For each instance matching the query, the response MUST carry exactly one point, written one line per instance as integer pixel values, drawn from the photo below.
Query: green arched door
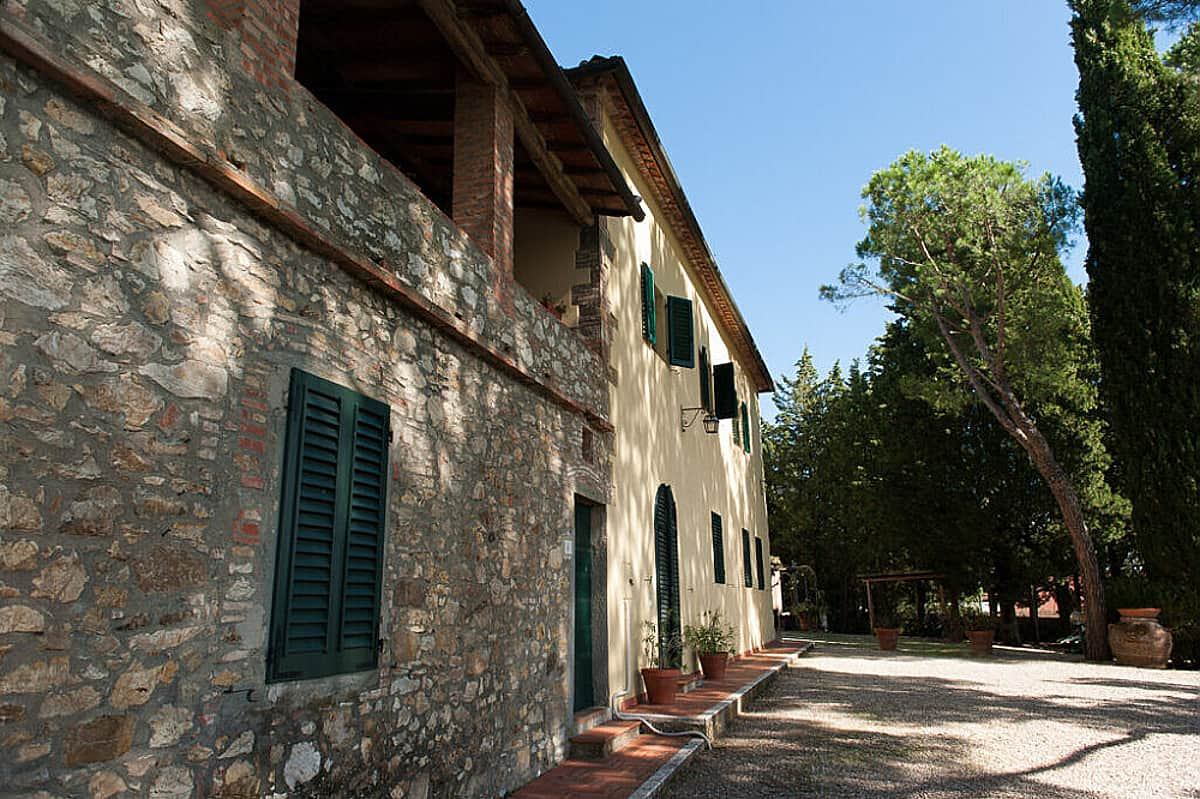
(666, 575)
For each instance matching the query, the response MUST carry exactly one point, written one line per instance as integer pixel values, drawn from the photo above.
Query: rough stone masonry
(148, 323)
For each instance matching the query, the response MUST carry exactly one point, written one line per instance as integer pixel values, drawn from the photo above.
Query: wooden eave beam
(467, 46)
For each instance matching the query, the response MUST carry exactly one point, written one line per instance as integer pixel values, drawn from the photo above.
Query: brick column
(269, 29)
(483, 170)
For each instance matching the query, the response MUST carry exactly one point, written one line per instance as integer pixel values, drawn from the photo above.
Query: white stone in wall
(303, 764)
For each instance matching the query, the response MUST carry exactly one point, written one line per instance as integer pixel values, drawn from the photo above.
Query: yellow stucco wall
(707, 473)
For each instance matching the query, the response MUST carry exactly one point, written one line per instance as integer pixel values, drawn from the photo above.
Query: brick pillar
(269, 29)
(483, 170)
(593, 260)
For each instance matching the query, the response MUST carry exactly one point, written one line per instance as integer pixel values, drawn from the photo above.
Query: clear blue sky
(776, 114)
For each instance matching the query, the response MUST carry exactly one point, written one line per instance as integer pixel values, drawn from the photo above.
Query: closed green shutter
(737, 433)
(745, 428)
(724, 391)
(681, 344)
(718, 542)
(325, 616)
(758, 561)
(649, 318)
(747, 575)
(705, 381)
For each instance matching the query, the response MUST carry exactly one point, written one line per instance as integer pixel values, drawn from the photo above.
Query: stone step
(590, 717)
(601, 741)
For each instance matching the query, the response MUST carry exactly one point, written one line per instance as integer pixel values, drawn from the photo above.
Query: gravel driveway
(928, 721)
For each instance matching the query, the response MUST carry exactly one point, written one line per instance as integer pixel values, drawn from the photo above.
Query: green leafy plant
(710, 636)
(975, 620)
(658, 651)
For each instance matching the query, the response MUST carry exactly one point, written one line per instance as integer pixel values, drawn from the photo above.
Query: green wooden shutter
(681, 344)
(705, 381)
(364, 536)
(649, 318)
(758, 561)
(666, 575)
(747, 575)
(745, 428)
(718, 542)
(725, 391)
(325, 615)
(737, 433)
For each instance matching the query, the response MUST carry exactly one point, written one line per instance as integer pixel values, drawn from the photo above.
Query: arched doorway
(666, 575)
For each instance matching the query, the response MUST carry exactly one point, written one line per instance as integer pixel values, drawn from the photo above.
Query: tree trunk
(1094, 613)
(1012, 417)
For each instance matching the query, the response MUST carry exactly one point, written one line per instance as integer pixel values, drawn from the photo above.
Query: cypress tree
(1139, 142)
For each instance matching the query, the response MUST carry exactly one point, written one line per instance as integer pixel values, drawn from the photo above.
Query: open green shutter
(705, 381)
(745, 428)
(747, 575)
(724, 391)
(364, 538)
(681, 344)
(325, 615)
(758, 561)
(718, 542)
(649, 320)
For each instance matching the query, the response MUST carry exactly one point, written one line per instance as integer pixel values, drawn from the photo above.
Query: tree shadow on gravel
(778, 750)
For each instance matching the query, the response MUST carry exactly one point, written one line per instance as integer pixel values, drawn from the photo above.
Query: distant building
(335, 337)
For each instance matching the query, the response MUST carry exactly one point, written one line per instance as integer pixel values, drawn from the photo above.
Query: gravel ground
(927, 721)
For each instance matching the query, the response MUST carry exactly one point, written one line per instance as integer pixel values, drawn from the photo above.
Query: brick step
(690, 683)
(604, 739)
(590, 717)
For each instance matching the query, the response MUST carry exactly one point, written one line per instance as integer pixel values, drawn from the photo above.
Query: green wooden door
(584, 694)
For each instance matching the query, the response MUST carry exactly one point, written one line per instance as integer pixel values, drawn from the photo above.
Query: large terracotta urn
(1139, 640)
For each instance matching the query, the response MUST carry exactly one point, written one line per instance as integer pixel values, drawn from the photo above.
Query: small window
(747, 574)
(758, 561)
(705, 381)
(718, 541)
(649, 317)
(328, 573)
(681, 345)
(745, 428)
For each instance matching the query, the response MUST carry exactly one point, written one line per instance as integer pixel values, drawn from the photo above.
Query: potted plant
(661, 676)
(980, 629)
(886, 631)
(712, 642)
(805, 612)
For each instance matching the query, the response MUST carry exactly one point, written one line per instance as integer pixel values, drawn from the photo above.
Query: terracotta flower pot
(981, 641)
(660, 685)
(887, 636)
(1139, 613)
(714, 665)
(1139, 640)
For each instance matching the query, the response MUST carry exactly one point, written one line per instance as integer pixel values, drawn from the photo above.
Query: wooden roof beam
(471, 50)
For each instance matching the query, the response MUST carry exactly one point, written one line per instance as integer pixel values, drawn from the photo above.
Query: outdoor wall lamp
(711, 422)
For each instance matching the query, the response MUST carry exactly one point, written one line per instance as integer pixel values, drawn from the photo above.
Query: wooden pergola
(898, 577)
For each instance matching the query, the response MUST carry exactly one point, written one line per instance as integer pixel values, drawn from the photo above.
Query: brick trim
(166, 138)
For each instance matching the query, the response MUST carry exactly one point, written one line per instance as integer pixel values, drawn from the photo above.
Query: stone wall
(148, 325)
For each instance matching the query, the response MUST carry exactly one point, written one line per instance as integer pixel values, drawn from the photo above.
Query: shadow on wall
(152, 324)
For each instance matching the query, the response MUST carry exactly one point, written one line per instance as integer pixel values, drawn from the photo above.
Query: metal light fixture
(710, 421)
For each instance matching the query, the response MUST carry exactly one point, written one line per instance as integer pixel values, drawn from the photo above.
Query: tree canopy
(967, 251)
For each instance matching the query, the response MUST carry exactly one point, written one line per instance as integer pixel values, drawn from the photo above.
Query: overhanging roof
(388, 68)
(636, 129)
